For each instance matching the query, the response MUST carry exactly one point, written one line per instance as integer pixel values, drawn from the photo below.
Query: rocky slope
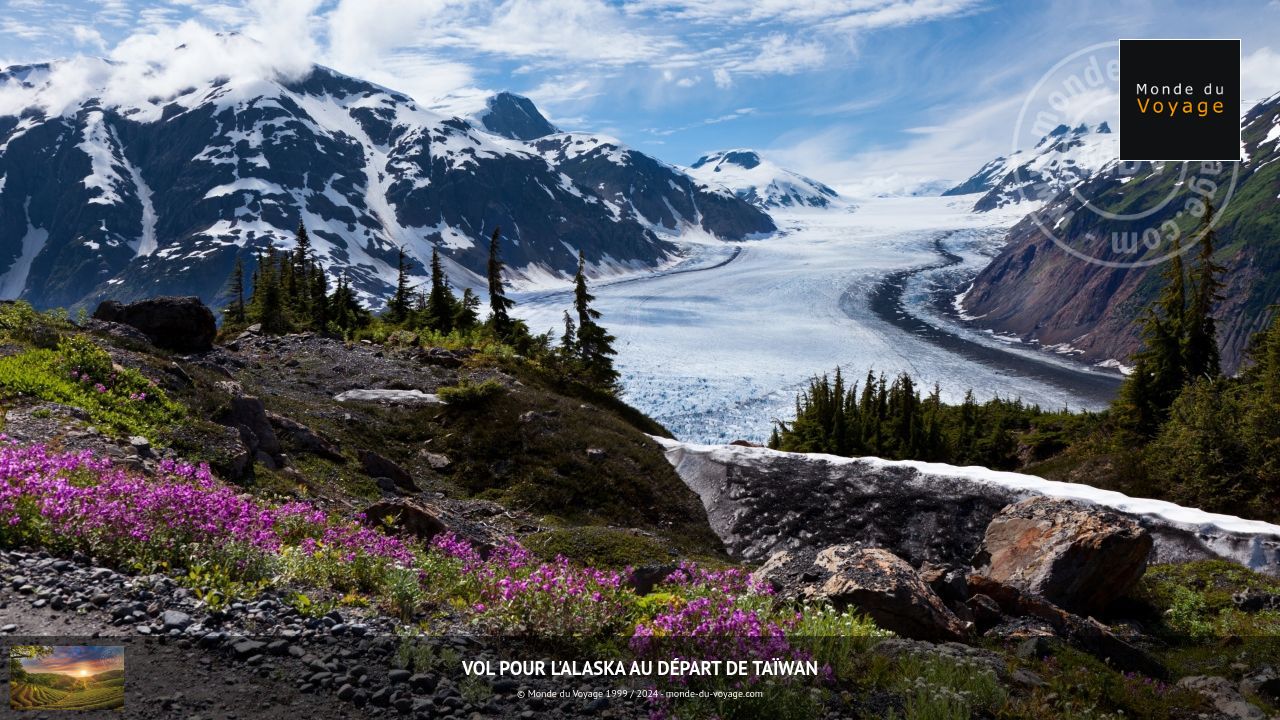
(1035, 290)
(168, 191)
(925, 512)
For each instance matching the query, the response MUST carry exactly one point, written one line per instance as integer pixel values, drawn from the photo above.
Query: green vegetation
(467, 394)
(79, 373)
(599, 546)
(893, 420)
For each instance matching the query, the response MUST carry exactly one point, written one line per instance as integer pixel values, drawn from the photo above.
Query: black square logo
(1180, 100)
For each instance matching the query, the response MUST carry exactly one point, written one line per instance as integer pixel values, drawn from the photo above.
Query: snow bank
(744, 485)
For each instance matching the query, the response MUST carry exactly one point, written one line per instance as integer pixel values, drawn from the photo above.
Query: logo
(1180, 100)
(1105, 210)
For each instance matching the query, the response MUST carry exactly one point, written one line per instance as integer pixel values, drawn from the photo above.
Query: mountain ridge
(111, 196)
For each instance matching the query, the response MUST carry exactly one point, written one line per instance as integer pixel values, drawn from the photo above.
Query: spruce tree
(441, 305)
(569, 340)
(499, 304)
(1201, 355)
(1149, 393)
(467, 316)
(595, 344)
(236, 313)
(271, 306)
(399, 305)
(319, 300)
(299, 273)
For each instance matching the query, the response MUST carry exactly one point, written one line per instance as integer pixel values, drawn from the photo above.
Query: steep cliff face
(761, 501)
(1038, 291)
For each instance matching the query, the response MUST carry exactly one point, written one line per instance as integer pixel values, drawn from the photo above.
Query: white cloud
(782, 55)
(89, 37)
(1259, 76)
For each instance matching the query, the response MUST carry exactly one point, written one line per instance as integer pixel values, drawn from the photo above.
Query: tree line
(289, 292)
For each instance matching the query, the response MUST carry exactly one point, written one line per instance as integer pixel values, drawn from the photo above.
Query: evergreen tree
(441, 305)
(569, 340)
(345, 310)
(1201, 355)
(399, 305)
(236, 313)
(1149, 394)
(595, 344)
(467, 315)
(319, 300)
(270, 309)
(499, 304)
(299, 273)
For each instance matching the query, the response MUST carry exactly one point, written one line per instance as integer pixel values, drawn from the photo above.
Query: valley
(751, 322)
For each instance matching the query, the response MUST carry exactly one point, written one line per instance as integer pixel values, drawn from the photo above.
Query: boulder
(392, 397)
(1078, 556)
(249, 415)
(406, 516)
(1225, 698)
(116, 331)
(377, 466)
(181, 324)
(304, 438)
(873, 581)
(1085, 633)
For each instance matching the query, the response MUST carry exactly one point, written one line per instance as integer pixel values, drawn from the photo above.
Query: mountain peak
(745, 159)
(516, 117)
(756, 180)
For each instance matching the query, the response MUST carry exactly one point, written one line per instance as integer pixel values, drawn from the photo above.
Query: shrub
(467, 394)
(599, 546)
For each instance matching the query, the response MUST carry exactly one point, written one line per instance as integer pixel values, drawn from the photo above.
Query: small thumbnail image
(66, 677)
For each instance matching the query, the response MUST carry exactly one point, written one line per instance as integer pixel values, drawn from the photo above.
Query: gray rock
(377, 466)
(245, 649)
(1224, 697)
(872, 580)
(175, 620)
(394, 397)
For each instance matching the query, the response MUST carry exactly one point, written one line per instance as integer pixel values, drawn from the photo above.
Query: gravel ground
(260, 659)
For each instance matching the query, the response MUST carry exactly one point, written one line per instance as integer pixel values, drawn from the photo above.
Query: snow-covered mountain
(107, 193)
(761, 182)
(1063, 158)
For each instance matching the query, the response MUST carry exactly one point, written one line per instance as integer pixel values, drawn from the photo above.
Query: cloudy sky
(869, 95)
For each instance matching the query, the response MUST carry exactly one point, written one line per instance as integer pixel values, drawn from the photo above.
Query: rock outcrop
(761, 501)
(181, 324)
(1077, 556)
(406, 516)
(871, 580)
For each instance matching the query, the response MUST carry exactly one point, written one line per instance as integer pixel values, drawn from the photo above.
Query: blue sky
(869, 95)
